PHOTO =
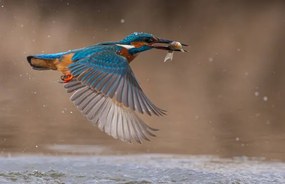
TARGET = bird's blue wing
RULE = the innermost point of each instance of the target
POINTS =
(110, 74)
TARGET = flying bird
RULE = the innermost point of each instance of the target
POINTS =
(104, 87)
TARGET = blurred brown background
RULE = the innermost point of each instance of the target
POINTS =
(225, 97)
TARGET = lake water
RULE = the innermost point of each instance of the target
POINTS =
(140, 168)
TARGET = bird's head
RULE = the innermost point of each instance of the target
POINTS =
(139, 42)
(137, 39)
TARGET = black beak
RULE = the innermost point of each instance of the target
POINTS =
(165, 41)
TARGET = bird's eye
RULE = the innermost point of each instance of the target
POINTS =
(149, 40)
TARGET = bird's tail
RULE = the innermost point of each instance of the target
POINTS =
(45, 61)
(41, 63)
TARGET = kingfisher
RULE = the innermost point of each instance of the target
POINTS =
(103, 85)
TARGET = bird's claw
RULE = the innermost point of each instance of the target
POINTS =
(66, 78)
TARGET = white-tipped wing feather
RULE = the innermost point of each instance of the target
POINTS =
(109, 115)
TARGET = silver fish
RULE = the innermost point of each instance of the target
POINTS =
(173, 46)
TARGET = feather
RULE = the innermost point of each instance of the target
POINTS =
(111, 75)
(110, 116)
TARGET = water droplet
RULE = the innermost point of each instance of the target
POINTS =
(211, 59)
(265, 98)
(256, 93)
(122, 21)
(237, 138)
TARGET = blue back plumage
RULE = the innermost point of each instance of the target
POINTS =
(112, 46)
(106, 61)
(84, 52)
(135, 37)
(109, 46)
(51, 56)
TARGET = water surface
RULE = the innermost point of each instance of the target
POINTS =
(146, 168)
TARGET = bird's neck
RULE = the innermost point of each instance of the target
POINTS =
(130, 52)
(125, 53)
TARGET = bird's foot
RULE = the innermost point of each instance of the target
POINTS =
(66, 78)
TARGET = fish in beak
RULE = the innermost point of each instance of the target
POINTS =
(171, 47)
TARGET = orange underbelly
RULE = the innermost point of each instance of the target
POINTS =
(63, 63)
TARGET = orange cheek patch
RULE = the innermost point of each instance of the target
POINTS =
(138, 44)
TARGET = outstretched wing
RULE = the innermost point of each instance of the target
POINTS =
(110, 75)
(111, 117)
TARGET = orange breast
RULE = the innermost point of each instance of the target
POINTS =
(125, 53)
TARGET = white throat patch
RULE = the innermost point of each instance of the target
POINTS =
(126, 46)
